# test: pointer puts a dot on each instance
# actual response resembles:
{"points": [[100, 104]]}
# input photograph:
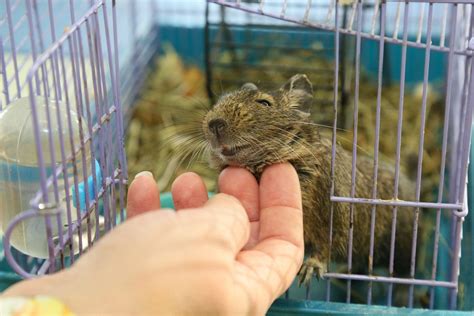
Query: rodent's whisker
{"points": [[172, 134], [179, 141], [338, 137], [166, 177], [190, 154], [184, 143], [197, 153], [320, 125], [299, 141]]}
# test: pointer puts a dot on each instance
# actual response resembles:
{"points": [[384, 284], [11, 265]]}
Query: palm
{"points": [[274, 250]]}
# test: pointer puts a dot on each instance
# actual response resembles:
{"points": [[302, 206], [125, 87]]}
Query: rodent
{"points": [[252, 128]]}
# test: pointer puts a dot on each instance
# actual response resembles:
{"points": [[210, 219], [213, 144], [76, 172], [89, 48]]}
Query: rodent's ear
{"points": [[300, 90], [249, 86], [299, 82]]}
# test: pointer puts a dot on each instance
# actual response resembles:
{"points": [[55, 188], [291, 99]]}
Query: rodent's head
{"points": [[253, 128]]}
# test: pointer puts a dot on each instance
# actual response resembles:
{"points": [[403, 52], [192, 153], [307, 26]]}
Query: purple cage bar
{"points": [[457, 205], [81, 68]]}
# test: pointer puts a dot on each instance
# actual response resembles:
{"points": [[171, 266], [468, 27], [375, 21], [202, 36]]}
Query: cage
{"points": [[60, 92], [393, 78], [351, 52]]}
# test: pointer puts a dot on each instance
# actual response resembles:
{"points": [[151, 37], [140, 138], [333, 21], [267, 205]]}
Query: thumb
{"points": [[143, 195]]}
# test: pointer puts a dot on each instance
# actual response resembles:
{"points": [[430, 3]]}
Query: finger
{"points": [[230, 220], [280, 204], [189, 191], [143, 195], [241, 184], [279, 253]]}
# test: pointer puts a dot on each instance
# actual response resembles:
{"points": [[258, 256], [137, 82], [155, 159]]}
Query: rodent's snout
{"points": [[216, 126]]}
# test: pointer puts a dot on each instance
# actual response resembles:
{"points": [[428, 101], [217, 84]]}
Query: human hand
{"points": [[218, 256]]}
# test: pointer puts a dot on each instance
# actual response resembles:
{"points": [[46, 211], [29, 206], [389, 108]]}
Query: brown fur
{"points": [[283, 132]]}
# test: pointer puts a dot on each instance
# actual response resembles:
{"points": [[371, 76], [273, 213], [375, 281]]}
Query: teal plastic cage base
{"points": [[292, 307]]}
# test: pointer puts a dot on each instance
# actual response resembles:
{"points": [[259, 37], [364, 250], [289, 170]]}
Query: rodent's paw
{"points": [[310, 266]]}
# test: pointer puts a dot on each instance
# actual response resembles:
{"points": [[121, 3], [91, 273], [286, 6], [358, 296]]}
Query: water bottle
{"points": [[20, 176]]}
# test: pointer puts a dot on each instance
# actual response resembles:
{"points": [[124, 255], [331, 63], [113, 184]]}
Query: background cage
{"points": [[111, 44], [71, 60]]}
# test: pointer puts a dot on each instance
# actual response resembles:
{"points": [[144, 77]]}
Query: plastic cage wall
{"points": [[376, 67], [62, 162]]}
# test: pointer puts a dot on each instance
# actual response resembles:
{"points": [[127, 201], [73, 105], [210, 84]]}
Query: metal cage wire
{"points": [[408, 24], [79, 68]]}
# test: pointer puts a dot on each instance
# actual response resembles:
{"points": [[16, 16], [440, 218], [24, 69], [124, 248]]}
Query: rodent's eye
{"points": [[264, 102]]}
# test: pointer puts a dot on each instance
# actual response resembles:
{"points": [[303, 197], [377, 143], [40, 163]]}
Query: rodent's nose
{"points": [[216, 126]]}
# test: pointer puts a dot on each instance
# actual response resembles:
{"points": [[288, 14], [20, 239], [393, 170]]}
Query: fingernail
{"points": [[144, 174]]}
